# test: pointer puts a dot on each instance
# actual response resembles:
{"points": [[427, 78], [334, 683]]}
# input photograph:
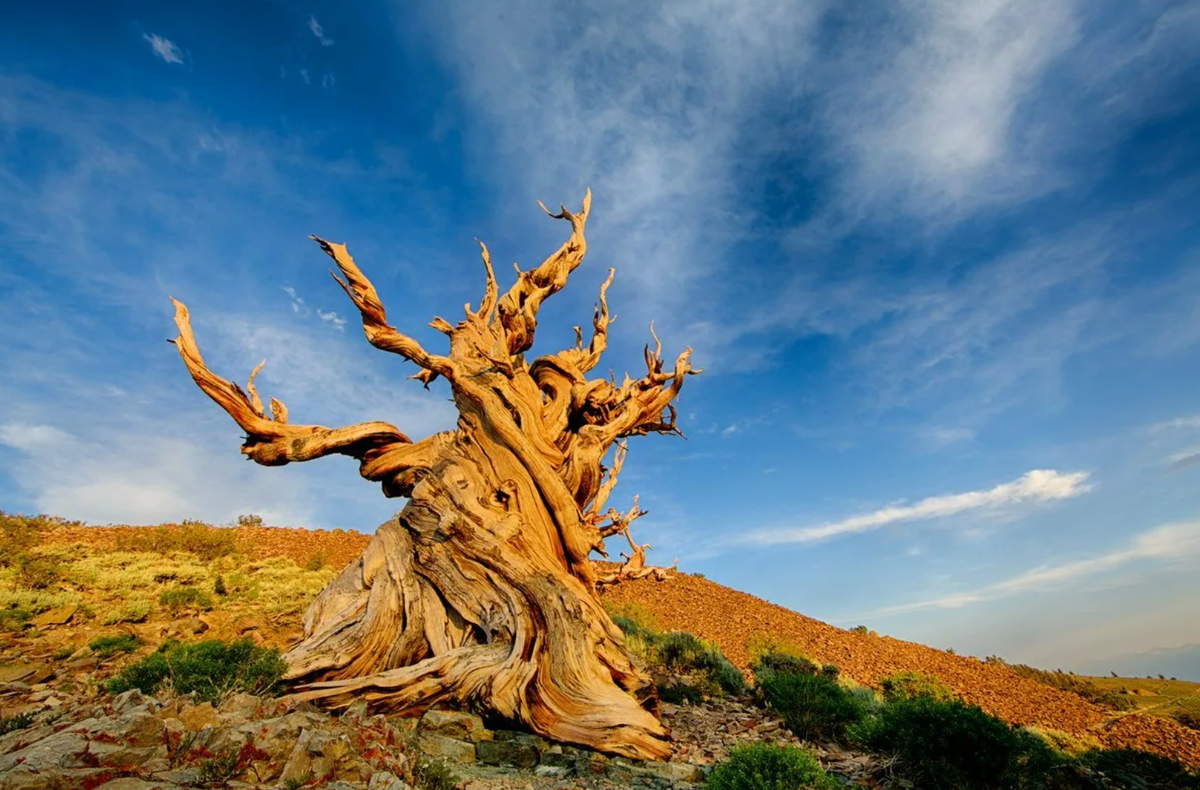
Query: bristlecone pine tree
{"points": [[482, 593]]}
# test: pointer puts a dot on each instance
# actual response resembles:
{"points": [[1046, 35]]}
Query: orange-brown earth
{"points": [[731, 618]]}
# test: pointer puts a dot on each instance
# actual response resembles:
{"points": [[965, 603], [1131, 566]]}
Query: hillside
{"points": [[114, 578]]}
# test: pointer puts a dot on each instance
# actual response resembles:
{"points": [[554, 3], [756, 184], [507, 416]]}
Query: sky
{"points": [[939, 260]]}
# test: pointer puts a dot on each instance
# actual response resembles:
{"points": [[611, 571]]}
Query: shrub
{"points": [[316, 562], [212, 669], [678, 692], [14, 618], [206, 542], [949, 745], [106, 646], [812, 706], [684, 653], [430, 774], [181, 598], [761, 644], [761, 766], [785, 663], [910, 685], [1189, 719], [1075, 685], [16, 722], [219, 586], [250, 520], [634, 612], [1135, 769], [1065, 742], [133, 612], [861, 630], [36, 572]]}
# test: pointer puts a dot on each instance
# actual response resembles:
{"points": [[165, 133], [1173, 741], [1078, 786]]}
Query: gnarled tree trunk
{"points": [[482, 593]]}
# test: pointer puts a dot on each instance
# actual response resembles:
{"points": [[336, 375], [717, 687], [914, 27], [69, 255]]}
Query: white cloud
{"points": [[319, 32], [164, 48], [1179, 423], [935, 126], [1168, 543], [332, 318], [23, 436], [948, 436], [1036, 486], [729, 430], [298, 305]]}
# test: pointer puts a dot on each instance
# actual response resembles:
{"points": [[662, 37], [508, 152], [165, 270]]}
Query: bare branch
{"points": [[374, 317], [518, 307], [275, 442]]}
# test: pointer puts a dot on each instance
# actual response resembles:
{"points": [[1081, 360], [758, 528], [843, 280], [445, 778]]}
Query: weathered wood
{"points": [[482, 592]]}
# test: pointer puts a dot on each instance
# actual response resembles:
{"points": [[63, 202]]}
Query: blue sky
{"points": [[940, 261]]}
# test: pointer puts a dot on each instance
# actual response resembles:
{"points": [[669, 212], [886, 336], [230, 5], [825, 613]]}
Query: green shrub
{"points": [[812, 706], [1075, 685], [1136, 770], [181, 598], [949, 745], [761, 766], [683, 653], [679, 692], [36, 572], [787, 663], [910, 685], [634, 612], [206, 542], [250, 520], [316, 562], [105, 646], [1189, 719], [212, 669], [219, 586], [430, 774], [135, 611], [16, 722], [861, 630], [14, 618]]}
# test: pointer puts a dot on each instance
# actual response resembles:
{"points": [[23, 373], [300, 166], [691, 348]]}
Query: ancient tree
{"points": [[482, 592]]}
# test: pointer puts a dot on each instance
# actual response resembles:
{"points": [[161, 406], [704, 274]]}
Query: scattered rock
{"points": [[198, 717], [446, 748], [514, 753], [454, 724], [59, 615]]}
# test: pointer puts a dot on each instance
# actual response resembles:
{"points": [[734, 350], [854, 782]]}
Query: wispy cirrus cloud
{"points": [[1034, 487], [319, 32], [1179, 423], [164, 48], [1171, 542]]}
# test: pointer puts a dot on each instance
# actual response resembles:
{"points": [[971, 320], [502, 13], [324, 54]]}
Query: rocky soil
{"points": [[727, 617], [730, 618], [76, 738]]}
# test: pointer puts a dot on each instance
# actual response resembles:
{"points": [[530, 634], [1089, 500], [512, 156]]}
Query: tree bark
{"points": [[482, 593]]}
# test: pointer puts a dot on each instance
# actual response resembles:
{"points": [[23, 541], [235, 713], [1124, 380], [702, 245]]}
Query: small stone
{"points": [[446, 748], [551, 771]]}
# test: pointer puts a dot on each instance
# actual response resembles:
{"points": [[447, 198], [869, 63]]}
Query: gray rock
{"points": [[671, 772], [127, 700], [516, 753], [454, 724], [133, 783], [446, 748], [552, 771], [385, 780]]}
